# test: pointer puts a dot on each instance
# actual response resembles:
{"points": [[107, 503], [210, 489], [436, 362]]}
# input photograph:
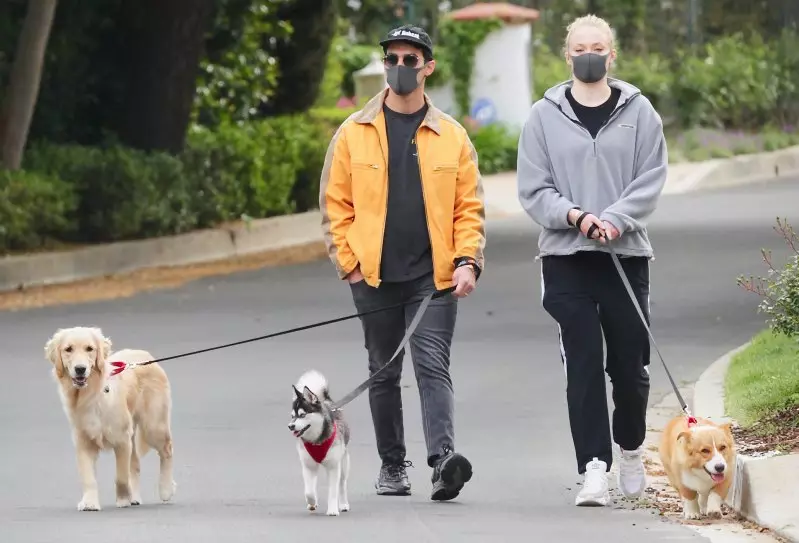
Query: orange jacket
{"points": [[353, 193]]}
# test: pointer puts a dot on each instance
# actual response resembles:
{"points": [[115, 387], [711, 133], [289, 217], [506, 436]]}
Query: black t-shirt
{"points": [[594, 117], [406, 240]]}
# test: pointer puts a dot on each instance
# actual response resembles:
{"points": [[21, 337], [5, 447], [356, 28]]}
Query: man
{"points": [[403, 215]]}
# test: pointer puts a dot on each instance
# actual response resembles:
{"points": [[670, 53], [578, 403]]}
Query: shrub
{"points": [[548, 69], [496, 148], [708, 95], [35, 209], [122, 193], [248, 170], [780, 290]]}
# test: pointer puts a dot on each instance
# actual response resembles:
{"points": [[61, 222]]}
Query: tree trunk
{"points": [[163, 44], [303, 59], [23, 87]]}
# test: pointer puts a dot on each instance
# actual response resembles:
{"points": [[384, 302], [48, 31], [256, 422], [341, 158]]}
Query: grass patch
{"points": [[763, 380]]}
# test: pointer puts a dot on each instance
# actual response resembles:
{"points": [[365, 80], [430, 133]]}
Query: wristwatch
{"points": [[469, 261]]}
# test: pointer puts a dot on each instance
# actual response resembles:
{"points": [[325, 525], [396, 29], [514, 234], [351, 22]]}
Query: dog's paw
{"points": [[312, 502], [332, 512], [690, 510], [89, 504], [344, 507], [714, 506], [166, 491], [124, 502], [135, 502]]}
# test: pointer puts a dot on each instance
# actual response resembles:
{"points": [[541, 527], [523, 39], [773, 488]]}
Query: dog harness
{"points": [[318, 451]]}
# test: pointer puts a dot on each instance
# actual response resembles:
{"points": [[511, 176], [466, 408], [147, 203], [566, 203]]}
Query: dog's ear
{"points": [[309, 396], [103, 345], [686, 436], [297, 393], [52, 352], [727, 427]]}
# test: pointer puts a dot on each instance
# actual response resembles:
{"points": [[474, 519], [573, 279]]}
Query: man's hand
{"points": [[586, 223], [464, 280], [355, 275]]}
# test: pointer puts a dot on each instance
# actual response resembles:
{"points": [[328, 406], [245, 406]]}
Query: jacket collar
{"points": [[374, 108]]}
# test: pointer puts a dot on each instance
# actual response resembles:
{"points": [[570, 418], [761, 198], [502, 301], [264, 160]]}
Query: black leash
{"points": [[122, 366], [617, 263]]}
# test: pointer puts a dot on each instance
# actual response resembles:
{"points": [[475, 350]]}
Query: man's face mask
{"points": [[590, 67], [401, 72]]}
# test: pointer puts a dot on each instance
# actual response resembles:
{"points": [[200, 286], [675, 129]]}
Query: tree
{"points": [[23, 87], [302, 58], [161, 44]]}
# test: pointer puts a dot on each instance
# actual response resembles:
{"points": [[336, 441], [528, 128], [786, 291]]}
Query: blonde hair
{"points": [[589, 20]]}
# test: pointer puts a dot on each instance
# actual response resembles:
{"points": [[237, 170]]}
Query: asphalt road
{"points": [[236, 467]]}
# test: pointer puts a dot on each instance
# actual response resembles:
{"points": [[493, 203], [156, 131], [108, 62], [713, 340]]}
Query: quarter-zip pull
{"points": [[594, 148]]}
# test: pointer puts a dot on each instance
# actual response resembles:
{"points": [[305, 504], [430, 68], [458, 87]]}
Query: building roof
{"points": [[510, 13]]}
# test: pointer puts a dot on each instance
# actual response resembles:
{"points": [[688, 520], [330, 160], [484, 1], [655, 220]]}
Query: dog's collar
{"points": [[318, 451]]}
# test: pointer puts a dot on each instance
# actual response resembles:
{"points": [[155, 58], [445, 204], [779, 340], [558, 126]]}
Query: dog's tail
{"points": [[316, 383]]}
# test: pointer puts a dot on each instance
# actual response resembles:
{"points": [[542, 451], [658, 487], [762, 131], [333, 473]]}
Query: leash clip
{"points": [[119, 367]]}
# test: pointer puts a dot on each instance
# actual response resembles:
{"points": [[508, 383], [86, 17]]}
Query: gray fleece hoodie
{"points": [[618, 176]]}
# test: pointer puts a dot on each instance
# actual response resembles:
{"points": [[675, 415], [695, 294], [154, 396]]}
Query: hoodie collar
{"points": [[557, 95]]}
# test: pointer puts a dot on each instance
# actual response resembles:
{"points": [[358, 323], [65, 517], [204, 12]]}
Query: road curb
{"points": [[272, 235], [767, 487]]}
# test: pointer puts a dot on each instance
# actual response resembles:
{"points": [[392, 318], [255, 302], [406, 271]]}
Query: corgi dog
{"points": [[323, 438], [700, 463]]}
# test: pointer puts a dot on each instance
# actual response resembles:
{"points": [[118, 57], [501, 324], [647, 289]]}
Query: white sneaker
{"points": [[632, 475], [595, 485]]}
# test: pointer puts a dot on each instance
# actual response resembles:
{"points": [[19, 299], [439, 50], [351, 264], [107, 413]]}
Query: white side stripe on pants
{"points": [[560, 332]]}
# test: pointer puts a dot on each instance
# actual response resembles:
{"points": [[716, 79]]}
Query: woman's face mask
{"points": [[590, 67]]}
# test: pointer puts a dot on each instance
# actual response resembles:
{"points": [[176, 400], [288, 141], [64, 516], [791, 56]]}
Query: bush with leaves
{"points": [[780, 289], [35, 210], [496, 146], [247, 170], [239, 74], [122, 193]]}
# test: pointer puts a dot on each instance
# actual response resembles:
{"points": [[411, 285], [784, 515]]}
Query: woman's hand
{"points": [[611, 231], [586, 222]]}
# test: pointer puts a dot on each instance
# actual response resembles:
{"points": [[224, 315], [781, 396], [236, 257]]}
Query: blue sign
{"points": [[484, 112]]}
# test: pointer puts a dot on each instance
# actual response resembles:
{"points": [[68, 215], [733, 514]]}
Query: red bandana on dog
{"points": [[318, 451]]}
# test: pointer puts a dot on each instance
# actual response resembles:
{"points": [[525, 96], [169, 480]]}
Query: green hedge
{"points": [[35, 210], [734, 82], [77, 194]]}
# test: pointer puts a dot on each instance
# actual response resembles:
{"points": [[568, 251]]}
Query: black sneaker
{"points": [[450, 473], [393, 479]]}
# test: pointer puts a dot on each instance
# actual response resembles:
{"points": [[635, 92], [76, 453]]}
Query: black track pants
{"points": [[586, 297]]}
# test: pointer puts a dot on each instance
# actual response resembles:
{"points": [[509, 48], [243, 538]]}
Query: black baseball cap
{"points": [[409, 34]]}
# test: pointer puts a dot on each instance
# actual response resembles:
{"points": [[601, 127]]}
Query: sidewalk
{"points": [[280, 235], [502, 199], [662, 496], [768, 487]]}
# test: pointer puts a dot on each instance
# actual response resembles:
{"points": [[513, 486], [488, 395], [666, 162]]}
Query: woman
{"points": [[591, 166]]}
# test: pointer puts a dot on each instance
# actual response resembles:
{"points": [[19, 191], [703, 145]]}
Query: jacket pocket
{"points": [[367, 180]]}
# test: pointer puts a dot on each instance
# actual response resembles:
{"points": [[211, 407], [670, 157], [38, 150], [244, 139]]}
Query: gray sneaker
{"points": [[450, 473], [393, 479]]}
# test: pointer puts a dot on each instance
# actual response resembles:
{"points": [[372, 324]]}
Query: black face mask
{"points": [[402, 79], [589, 67]]}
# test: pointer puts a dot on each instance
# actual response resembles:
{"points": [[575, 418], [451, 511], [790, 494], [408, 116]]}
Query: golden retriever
{"points": [[700, 463], [129, 412]]}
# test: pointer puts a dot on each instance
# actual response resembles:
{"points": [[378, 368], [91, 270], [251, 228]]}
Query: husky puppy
{"points": [[323, 437]]}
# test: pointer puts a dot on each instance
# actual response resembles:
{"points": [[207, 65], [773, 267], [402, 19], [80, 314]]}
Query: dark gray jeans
{"points": [[430, 352]]}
